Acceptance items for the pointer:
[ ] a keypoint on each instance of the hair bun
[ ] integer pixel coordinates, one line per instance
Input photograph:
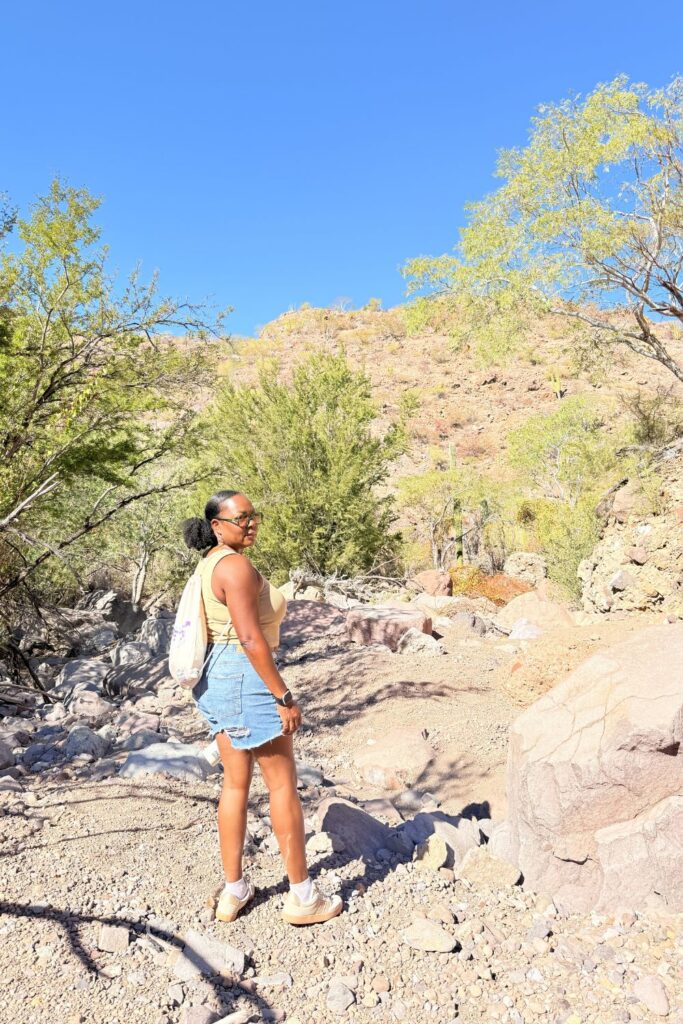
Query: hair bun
(197, 534)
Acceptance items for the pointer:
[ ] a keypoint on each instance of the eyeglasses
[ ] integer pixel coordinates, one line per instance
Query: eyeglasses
(243, 519)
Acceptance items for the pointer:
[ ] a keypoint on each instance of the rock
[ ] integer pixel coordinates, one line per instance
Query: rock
(594, 779)
(130, 653)
(156, 634)
(522, 629)
(91, 706)
(361, 834)
(82, 674)
(526, 566)
(484, 871)
(651, 993)
(428, 936)
(339, 997)
(141, 739)
(40, 752)
(637, 554)
(282, 980)
(7, 758)
(128, 722)
(97, 639)
(82, 740)
(449, 607)
(414, 641)
(621, 580)
(199, 1015)
(302, 594)
(309, 620)
(134, 680)
(534, 607)
(113, 938)
(180, 760)
(376, 624)
(459, 834)
(431, 581)
(432, 854)
(307, 776)
(324, 843)
(238, 1017)
(202, 955)
(395, 760)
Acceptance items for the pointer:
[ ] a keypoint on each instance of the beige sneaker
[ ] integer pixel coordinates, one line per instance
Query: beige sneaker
(321, 908)
(229, 906)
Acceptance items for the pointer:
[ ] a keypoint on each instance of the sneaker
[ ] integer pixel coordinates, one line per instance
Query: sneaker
(229, 906)
(320, 908)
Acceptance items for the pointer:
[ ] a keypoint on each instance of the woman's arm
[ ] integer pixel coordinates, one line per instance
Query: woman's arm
(236, 583)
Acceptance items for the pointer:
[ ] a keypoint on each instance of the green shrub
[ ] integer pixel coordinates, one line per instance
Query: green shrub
(308, 454)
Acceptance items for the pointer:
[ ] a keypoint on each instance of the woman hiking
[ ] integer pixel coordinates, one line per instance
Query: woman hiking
(250, 710)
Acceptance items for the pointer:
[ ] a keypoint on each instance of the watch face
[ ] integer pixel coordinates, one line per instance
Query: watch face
(287, 699)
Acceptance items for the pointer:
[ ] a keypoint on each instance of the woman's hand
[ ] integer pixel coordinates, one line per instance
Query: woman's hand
(291, 719)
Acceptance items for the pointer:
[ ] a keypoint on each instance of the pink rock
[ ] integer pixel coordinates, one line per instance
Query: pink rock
(306, 620)
(595, 773)
(431, 581)
(638, 555)
(379, 625)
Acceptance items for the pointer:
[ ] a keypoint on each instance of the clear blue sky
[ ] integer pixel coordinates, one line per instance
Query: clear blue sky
(267, 154)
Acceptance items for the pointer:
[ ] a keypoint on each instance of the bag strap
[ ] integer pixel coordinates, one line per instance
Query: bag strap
(230, 551)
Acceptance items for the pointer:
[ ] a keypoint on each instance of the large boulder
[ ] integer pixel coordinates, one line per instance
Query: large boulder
(131, 653)
(381, 625)
(533, 608)
(396, 760)
(156, 634)
(309, 620)
(595, 775)
(526, 566)
(179, 760)
(431, 581)
(7, 758)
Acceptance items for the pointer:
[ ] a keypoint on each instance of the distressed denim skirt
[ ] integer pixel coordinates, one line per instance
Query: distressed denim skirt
(233, 699)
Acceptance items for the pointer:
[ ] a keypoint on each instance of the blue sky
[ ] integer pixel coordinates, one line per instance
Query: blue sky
(267, 154)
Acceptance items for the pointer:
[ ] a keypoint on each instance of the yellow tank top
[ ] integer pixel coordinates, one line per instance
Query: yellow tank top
(271, 606)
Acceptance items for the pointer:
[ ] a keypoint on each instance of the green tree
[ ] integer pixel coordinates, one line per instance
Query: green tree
(588, 223)
(308, 453)
(94, 393)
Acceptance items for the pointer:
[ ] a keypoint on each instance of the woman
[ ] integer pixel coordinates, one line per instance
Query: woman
(247, 705)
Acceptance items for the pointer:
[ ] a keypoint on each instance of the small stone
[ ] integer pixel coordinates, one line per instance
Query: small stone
(652, 994)
(199, 1015)
(176, 994)
(429, 936)
(381, 983)
(113, 938)
(432, 854)
(339, 997)
(482, 869)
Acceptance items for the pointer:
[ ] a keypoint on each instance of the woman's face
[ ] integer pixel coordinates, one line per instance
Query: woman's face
(241, 531)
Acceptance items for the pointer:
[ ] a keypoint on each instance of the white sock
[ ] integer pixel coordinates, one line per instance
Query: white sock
(304, 890)
(238, 889)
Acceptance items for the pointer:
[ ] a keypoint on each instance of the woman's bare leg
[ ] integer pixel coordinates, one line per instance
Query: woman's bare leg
(276, 761)
(238, 766)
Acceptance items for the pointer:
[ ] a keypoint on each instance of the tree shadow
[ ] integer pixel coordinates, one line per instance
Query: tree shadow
(71, 923)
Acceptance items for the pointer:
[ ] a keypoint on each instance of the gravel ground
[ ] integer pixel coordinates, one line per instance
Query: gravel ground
(82, 849)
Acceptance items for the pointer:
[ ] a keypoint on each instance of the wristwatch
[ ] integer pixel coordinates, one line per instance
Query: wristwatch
(286, 700)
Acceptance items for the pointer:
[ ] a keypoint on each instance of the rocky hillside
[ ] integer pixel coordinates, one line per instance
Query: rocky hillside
(464, 405)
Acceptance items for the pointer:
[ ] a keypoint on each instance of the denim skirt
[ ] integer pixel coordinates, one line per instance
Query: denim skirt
(233, 699)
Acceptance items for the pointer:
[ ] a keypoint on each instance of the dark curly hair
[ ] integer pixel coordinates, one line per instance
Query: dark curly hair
(197, 533)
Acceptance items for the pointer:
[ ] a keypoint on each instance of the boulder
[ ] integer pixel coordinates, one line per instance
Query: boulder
(381, 625)
(92, 707)
(7, 758)
(156, 634)
(140, 739)
(133, 652)
(534, 608)
(180, 760)
(361, 834)
(595, 773)
(82, 674)
(414, 641)
(135, 680)
(82, 740)
(431, 581)
(309, 620)
(526, 566)
(395, 760)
